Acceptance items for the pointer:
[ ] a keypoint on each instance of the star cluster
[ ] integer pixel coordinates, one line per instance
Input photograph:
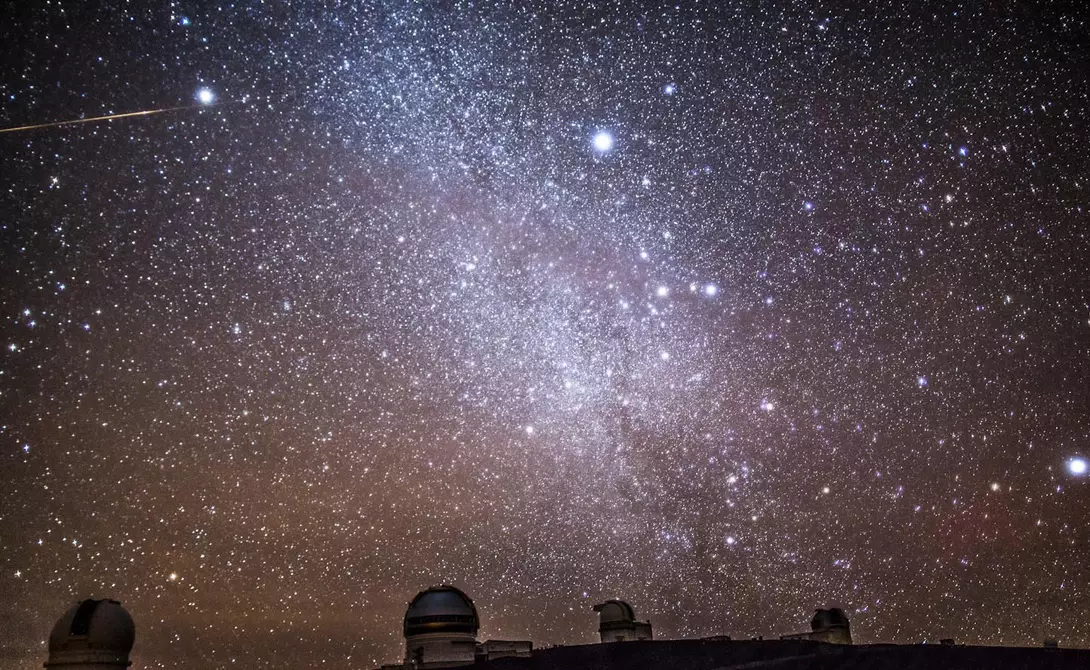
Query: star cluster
(731, 310)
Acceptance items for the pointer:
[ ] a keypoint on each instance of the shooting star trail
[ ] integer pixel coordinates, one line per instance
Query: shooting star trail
(108, 117)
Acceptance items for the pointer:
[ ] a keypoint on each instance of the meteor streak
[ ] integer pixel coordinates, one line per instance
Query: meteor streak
(108, 117)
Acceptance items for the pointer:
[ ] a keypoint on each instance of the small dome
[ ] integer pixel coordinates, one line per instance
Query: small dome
(615, 611)
(441, 609)
(98, 628)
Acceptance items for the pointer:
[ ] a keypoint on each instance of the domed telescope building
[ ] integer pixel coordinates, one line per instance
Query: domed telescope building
(828, 625)
(617, 622)
(440, 629)
(93, 635)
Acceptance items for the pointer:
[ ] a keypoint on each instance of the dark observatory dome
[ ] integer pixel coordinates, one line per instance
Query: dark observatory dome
(829, 618)
(94, 629)
(441, 609)
(615, 611)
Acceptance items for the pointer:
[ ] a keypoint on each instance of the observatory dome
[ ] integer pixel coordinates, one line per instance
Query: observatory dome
(615, 611)
(441, 609)
(829, 618)
(96, 631)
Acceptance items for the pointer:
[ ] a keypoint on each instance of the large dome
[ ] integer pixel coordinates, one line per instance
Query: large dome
(615, 611)
(441, 609)
(94, 629)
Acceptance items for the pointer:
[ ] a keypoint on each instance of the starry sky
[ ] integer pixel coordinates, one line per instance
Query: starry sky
(730, 309)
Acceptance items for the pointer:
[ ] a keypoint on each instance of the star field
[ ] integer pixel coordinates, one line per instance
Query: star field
(731, 310)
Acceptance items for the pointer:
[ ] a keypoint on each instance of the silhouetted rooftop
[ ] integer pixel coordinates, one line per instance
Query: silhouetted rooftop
(791, 655)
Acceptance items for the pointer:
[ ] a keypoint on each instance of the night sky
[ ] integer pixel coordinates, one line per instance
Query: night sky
(731, 310)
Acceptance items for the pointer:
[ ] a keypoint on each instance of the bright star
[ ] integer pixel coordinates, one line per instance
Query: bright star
(710, 290)
(205, 96)
(1077, 466)
(603, 141)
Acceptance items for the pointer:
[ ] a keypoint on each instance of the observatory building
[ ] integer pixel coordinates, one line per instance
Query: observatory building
(93, 635)
(829, 625)
(617, 622)
(441, 626)
(441, 632)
